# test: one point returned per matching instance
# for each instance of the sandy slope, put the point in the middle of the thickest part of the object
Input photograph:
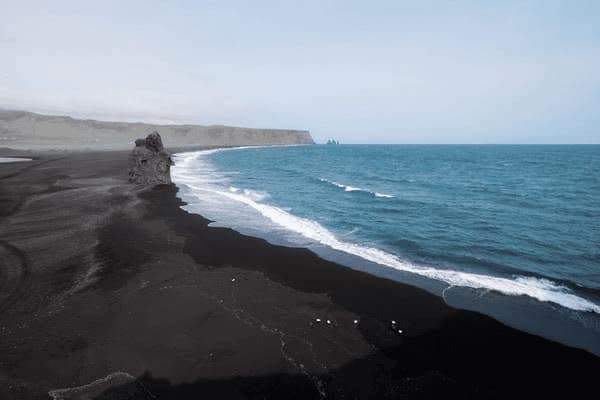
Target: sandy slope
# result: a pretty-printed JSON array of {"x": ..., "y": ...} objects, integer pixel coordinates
[{"x": 112, "y": 288}]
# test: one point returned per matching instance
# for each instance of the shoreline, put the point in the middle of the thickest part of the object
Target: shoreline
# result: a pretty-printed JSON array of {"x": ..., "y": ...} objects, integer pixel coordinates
[
  {"x": 115, "y": 295},
  {"x": 566, "y": 317}
]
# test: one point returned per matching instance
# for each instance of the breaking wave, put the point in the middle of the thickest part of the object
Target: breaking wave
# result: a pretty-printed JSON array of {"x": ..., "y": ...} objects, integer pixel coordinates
[
  {"x": 195, "y": 172},
  {"x": 348, "y": 188}
]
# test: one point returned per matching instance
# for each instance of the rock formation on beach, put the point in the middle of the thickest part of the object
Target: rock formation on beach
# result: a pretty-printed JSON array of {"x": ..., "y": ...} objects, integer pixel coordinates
[{"x": 149, "y": 163}]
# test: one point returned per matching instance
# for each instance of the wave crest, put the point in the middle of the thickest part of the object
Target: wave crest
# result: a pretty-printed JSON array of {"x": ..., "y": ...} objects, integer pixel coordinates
[
  {"x": 540, "y": 289},
  {"x": 348, "y": 188}
]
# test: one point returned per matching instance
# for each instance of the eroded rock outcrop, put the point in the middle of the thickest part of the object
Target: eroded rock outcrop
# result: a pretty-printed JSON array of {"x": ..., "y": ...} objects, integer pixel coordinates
[{"x": 149, "y": 163}]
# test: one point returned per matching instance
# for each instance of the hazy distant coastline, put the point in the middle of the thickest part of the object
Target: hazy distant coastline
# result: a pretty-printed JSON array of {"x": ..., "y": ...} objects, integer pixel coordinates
[{"x": 27, "y": 130}]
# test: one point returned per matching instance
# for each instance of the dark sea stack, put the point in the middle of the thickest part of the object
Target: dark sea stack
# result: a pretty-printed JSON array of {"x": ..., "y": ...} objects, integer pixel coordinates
[{"x": 149, "y": 163}]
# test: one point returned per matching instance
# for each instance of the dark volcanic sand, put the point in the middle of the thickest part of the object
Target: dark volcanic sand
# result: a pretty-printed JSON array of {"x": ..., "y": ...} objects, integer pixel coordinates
[{"x": 98, "y": 277}]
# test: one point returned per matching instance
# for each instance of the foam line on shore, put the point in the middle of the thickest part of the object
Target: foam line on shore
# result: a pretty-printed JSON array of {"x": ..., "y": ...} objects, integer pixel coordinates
[
  {"x": 92, "y": 389},
  {"x": 187, "y": 172},
  {"x": 13, "y": 159}
]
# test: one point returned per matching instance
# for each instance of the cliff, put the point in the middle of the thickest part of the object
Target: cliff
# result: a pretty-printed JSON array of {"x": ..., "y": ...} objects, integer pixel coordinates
[{"x": 26, "y": 130}]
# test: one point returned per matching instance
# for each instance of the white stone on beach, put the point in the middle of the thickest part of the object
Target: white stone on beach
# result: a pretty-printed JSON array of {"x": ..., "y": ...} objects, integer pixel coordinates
[
  {"x": 232, "y": 279},
  {"x": 328, "y": 321},
  {"x": 318, "y": 319},
  {"x": 356, "y": 321}
]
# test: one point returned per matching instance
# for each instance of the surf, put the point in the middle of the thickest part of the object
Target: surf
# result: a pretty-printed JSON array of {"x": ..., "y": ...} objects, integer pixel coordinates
[
  {"x": 348, "y": 188},
  {"x": 186, "y": 172}
]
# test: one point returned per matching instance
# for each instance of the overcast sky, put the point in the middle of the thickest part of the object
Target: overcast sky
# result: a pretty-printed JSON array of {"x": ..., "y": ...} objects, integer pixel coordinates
[{"x": 358, "y": 71}]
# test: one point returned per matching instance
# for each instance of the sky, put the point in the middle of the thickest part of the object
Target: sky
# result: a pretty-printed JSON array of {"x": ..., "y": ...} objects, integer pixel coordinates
[{"x": 357, "y": 71}]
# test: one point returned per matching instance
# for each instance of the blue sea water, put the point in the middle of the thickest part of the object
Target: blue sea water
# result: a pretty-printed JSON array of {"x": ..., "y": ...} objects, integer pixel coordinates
[{"x": 520, "y": 221}]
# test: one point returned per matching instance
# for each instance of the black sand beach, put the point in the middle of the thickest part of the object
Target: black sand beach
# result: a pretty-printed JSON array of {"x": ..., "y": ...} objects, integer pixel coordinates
[{"x": 100, "y": 277}]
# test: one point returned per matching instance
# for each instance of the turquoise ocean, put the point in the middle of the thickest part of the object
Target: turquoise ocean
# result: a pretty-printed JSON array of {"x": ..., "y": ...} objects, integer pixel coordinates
[{"x": 510, "y": 231}]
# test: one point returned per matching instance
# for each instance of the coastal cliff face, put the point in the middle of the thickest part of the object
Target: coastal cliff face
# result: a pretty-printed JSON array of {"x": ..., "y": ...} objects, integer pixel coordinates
[{"x": 25, "y": 130}]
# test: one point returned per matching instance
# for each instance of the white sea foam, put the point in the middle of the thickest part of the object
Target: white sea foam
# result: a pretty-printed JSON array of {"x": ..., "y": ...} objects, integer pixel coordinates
[
  {"x": 92, "y": 389},
  {"x": 13, "y": 159},
  {"x": 349, "y": 188},
  {"x": 350, "y": 232},
  {"x": 255, "y": 195},
  {"x": 185, "y": 172}
]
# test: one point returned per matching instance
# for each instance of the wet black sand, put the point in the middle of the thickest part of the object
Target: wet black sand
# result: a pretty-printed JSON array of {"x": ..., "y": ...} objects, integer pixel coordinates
[{"x": 99, "y": 277}]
